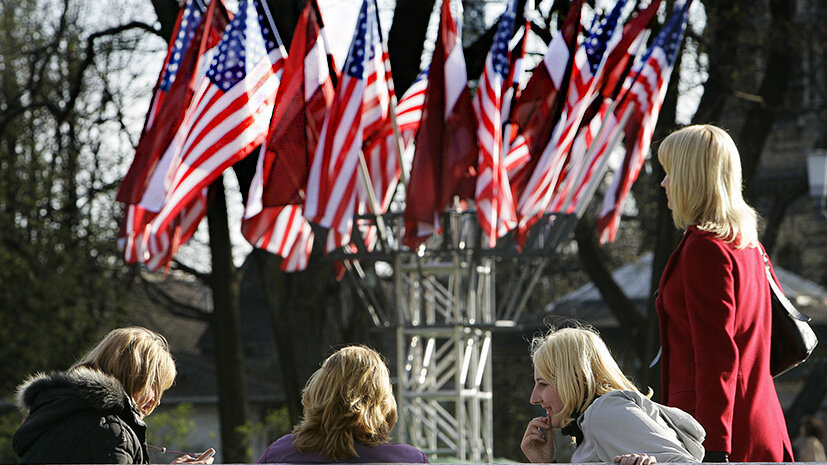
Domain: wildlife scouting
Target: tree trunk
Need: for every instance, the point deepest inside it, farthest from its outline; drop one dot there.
(226, 328)
(759, 119)
(618, 302)
(275, 291)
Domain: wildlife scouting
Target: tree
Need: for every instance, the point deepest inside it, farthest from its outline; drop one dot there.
(62, 131)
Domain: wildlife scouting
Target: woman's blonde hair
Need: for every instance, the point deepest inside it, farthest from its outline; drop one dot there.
(348, 400)
(138, 358)
(704, 170)
(577, 362)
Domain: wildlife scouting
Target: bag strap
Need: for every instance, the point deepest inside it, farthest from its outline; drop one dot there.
(779, 294)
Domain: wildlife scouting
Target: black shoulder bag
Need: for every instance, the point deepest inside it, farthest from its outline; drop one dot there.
(792, 339)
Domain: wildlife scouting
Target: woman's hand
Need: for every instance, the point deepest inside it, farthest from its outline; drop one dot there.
(538, 441)
(205, 457)
(635, 459)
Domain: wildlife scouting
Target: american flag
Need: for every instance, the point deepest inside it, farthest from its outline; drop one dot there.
(381, 149)
(495, 206)
(536, 192)
(273, 217)
(588, 68)
(646, 89)
(516, 153)
(360, 112)
(188, 20)
(231, 110)
(596, 139)
(541, 102)
(409, 109)
(172, 95)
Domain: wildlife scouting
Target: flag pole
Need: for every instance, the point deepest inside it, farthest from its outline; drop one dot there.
(373, 203)
(400, 148)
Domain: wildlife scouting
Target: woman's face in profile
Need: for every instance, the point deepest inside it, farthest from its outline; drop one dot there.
(545, 395)
(665, 185)
(147, 403)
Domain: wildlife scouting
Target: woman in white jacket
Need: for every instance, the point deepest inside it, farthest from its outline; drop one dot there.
(581, 387)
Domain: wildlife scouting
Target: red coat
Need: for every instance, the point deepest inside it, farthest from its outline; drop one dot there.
(715, 323)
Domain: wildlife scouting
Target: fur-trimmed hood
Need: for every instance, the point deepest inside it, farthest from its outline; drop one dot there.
(99, 390)
(63, 408)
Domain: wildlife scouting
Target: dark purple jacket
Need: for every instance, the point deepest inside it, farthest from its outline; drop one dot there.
(282, 451)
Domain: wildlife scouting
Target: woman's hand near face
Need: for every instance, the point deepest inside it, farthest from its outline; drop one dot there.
(635, 459)
(538, 441)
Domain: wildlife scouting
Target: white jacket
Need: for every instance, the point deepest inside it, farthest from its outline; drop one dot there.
(622, 422)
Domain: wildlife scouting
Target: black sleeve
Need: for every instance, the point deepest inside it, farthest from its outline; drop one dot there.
(110, 442)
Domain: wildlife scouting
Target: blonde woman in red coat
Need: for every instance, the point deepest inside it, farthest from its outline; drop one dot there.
(714, 304)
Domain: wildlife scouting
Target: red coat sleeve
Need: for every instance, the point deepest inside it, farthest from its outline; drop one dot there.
(710, 303)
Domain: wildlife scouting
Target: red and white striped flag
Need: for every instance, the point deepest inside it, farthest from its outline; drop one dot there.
(409, 108)
(589, 63)
(495, 206)
(230, 113)
(359, 113)
(446, 142)
(273, 218)
(646, 89)
(541, 102)
(601, 119)
(171, 98)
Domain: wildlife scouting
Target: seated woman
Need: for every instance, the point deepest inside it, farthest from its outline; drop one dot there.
(349, 411)
(583, 391)
(93, 413)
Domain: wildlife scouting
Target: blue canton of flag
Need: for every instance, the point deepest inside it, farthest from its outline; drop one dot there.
(600, 34)
(669, 40)
(499, 49)
(268, 30)
(672, 41)
(241, 48)
(362, 43)
(189, 22)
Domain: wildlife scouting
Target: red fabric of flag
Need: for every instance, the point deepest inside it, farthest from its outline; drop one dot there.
(273, 218)
(446, 143)
(646, 88)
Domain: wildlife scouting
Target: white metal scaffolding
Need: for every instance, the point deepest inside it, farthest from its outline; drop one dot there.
(445, 307)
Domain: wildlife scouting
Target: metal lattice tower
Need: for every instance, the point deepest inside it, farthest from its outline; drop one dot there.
(445, 306)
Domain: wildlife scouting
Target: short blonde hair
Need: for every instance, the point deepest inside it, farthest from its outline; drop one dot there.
(138, 358)
(577, 362)
(705, 184)
(348, 400)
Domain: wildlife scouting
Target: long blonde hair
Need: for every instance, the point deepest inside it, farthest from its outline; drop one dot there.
(138, 358)
(705, 184)
(578, 363)
(348, 400)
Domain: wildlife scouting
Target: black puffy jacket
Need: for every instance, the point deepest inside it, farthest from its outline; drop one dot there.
(82, 416)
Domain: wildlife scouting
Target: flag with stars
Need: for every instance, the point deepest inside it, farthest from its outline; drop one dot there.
(589, 64)
(645, 89)
(189, 17)
(540, 104)
(359, 113)
(273, 217)
(600, 119)
(495, 206)
(170, 101)
(230, 112)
